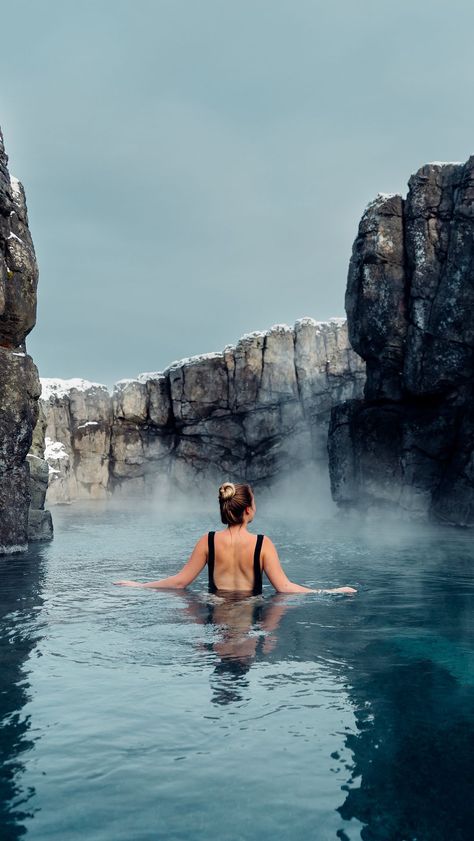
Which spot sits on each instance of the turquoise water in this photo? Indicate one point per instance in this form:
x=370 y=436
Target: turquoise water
x=134 y=715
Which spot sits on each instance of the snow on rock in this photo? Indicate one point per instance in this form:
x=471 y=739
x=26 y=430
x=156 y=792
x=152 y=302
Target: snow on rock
x=15 y=185
x=55 y=387
x=62 y=485
x=54 y=449
x=194 y=360
x=379 y=200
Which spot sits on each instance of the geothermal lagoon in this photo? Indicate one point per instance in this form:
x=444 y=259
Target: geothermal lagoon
x=136 y=714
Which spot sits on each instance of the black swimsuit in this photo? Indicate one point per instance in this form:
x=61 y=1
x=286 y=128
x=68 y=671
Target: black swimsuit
x=257 y=572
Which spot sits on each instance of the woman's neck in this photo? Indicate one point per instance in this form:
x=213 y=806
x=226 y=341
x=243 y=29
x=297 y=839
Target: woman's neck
x=237 y=528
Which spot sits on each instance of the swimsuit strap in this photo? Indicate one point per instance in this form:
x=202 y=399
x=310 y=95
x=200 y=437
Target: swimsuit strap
x=257 y=572
x=210 y=561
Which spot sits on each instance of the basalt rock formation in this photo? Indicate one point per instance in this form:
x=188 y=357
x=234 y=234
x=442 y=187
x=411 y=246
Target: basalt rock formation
x=20 y=388
x=255 y=412
x=409 y=443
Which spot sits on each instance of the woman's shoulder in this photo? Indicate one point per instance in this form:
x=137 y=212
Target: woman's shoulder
x=204 y=539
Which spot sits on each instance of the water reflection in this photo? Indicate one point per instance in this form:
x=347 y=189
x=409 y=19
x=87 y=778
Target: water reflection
x=20 y=600
x=413 y=752
x=413 y=693
x=245 y=630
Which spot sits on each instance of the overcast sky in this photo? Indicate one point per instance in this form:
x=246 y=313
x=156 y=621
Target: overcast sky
x=196 y=169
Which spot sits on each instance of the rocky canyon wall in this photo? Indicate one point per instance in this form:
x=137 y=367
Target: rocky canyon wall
x=408 y=444
x=255 y=412
x=21 y=480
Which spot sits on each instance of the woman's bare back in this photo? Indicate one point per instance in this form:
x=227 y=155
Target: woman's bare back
x=234 y=560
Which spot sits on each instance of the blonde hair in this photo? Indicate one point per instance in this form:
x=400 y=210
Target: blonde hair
x=233 y=500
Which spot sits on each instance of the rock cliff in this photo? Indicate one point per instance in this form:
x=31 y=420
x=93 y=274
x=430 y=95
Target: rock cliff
x=255 y=412
x=20 y=481
x=409 y=444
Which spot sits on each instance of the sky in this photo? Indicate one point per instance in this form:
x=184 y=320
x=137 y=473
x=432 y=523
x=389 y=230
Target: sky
x=196 y=169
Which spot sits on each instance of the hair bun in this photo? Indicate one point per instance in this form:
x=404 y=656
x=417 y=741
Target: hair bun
x=227 y=490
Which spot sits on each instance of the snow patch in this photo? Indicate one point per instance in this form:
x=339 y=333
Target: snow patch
x=255 y=334
x=15 y=185
x=150 y=375
x=335 y=321
x=54 y=450
x=379 y=199
x=56 y=387
x=195 y=360
x=444 y=163
x=124 y=382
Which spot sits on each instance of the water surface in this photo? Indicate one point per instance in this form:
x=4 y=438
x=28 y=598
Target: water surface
x=129 y=715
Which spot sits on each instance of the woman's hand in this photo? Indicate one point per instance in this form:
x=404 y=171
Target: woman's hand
x=348 y=591
x=128 y=584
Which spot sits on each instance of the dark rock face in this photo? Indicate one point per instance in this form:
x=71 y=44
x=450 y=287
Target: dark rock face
x=19 y=382
x=410 y=305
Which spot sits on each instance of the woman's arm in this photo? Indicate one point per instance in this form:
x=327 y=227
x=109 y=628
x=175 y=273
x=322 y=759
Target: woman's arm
x=276 y=575
x=185 y=576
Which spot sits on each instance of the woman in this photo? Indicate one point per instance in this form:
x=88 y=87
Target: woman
x=235 y=557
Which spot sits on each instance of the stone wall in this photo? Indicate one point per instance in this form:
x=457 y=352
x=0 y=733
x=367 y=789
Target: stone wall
x=409 y=444
x=19 y=382
x=255 y=412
